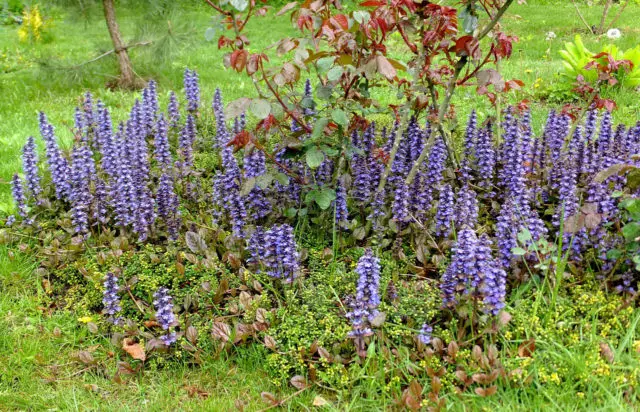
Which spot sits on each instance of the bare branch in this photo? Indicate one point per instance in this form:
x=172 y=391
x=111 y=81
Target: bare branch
x=615 y=19
x=283 y=104
x=128 y=46
x=494 y=20
x=582 y=17
x=217 y=8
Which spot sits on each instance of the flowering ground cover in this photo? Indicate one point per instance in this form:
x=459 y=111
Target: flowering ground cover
x=155 y=251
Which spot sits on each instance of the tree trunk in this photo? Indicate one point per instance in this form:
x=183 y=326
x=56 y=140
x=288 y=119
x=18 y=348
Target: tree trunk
x=127 y=77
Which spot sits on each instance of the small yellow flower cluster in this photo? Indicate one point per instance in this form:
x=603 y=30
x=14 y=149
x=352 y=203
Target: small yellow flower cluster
x=32 y=24
x=394 y=381
x=546 y=377
x=603 y=369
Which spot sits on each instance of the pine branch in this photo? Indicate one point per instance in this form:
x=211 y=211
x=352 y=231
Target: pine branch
x=128 y=46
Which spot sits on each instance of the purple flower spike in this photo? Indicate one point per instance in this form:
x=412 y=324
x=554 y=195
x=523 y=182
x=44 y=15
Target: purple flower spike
x=30 y=168
x=341 y=214
x=466 y=208
x=192 y=90
x=364 y=306
x=278 y=255
x=568 y=200
x=486 y=157
x=400 y=207
x=222 y=133
x=58 y=164
x=492 y=284
x=105 y=139
x=168 y=204
x=18 y=196
x=162 y=151
x=256 y=246
x=150 y=106
x=425 y=334
x=470 y=149
x=473 y=273
x=173 y=110
x=507 y=227
x=110 y=298
x=605 y=141
x=435 y=167
x=185 y=144
x=258 y=203
x=377 y=210
x=308 y=96
x=254 y=163
x=82 y=170
x=163 y=302
x=101 y=201
x=445 y=212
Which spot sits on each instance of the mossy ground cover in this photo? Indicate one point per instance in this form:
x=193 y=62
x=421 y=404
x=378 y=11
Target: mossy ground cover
x=581 y=352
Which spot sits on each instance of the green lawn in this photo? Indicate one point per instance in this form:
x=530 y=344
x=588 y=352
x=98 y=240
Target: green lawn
x=38 y=345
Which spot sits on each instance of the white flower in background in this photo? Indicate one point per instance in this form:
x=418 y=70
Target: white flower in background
x=614 y=34
x=550 y=36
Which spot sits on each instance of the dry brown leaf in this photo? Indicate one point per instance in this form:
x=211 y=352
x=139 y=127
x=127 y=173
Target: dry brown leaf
x=134 y=349
x=484 y=392
x=150 y=323
x=324 y=353
x=192 y=334
x=261 y=315
x=320 y=401
x=269 y=342
x=476 y=353
x=504 y=317
x=299 y=382
x=221 y=331
x=85 y=357
x=269 y=398
x=245 y=299
x=606 y=352
x=193 y=392
x=526 y=348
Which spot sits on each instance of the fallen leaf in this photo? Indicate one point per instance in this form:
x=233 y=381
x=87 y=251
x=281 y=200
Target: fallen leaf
x=484 y=392
x=261 y=315
x=193 y=392
x=299 y=382
x=504 y=317
x=526 y=348
x=378 y=320
x=93 y=328
x=85 y=357
x=192 y=334
x=320 y=401
x=606 y=352
x=134 y=349
x=269 y=342
x=324 y=353
x=269 y=398
x=221 y=331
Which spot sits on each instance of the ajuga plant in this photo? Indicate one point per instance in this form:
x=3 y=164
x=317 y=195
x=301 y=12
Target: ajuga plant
x=242 y=225
x=135 y=179
x=163 y=302
x=364 y=305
